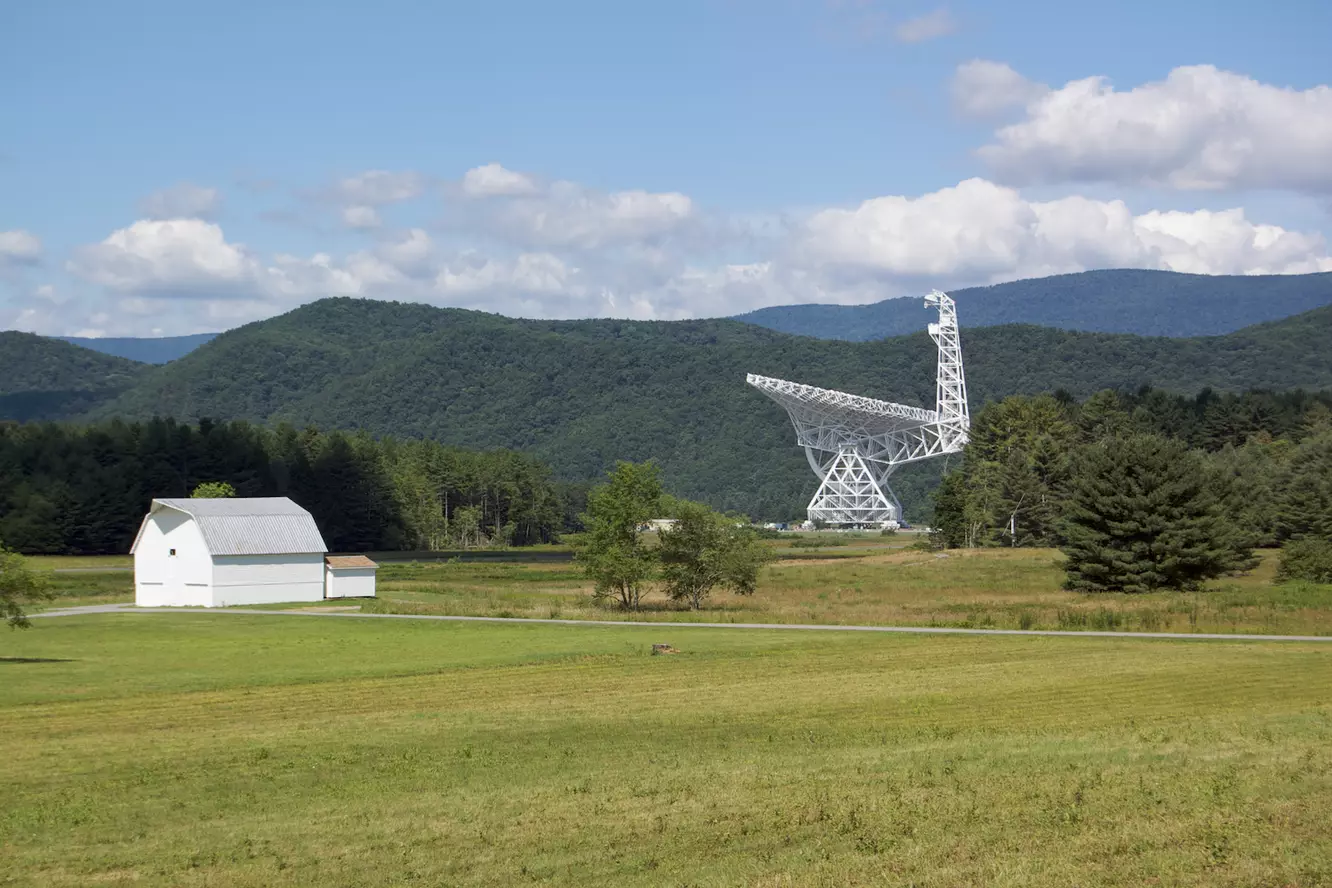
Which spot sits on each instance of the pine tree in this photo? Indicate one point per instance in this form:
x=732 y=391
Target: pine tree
x=1142 y=516
x=1305 y=510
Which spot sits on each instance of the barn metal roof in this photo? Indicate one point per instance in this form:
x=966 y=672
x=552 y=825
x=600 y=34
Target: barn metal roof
x=272 y=525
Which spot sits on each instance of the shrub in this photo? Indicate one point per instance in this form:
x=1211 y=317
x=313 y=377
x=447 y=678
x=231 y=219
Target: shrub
x=1308 y=559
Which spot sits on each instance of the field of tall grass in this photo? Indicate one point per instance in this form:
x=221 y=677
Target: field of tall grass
x=981 y=588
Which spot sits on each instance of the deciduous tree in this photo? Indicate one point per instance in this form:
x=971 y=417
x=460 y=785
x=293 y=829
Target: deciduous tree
x=704 y=550
x=612 y=551
x=19 y=586
x=213 y=490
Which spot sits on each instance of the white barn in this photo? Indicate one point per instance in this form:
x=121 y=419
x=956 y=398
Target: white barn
x=220 y=552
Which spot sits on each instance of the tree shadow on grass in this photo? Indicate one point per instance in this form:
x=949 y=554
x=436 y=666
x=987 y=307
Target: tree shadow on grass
x=4 y=661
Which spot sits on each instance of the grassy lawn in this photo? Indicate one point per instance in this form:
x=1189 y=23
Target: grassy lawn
x=183 y=749
x=986 y=588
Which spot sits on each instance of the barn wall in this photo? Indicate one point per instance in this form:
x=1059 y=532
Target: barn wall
x=351 y=582
x=165 y=580
x=267 y=579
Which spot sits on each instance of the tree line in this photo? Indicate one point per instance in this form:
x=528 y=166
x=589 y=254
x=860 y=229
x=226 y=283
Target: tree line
x=83 y=489
x=1146 y=490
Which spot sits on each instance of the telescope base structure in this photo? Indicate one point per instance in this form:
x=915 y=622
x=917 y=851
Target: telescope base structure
x=851 y=495
x=854 y=443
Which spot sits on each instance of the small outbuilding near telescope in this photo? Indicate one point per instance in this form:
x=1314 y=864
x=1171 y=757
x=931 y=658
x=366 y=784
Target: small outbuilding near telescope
x=220 y=552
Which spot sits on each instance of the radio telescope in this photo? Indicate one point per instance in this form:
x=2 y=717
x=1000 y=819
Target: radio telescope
x=854 y=444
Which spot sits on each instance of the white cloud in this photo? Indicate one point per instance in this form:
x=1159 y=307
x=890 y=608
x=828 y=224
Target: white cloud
x=179 y=256
x=931 y=26
x=569 y=251
x=182 y=201
x=493 y=180
x=982 y=88
x=376 y=187
x=413 y=252
x=980 y=232
x=568 y=215
x=528 y=273
x=1200 y=128
x=19 y=247
x=361 y=217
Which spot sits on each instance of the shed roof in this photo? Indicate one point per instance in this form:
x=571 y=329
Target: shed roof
x=348 y=561
x=272 y=525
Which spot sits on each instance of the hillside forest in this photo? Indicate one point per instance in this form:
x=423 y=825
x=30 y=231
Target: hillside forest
x=83 y=489
x=581 y=395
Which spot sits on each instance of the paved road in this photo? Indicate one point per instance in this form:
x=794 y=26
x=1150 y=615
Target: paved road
x=672 y=626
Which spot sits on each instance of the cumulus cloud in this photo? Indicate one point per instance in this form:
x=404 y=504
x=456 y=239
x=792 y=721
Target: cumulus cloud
x=525 y=213
x=931 y=26
x=571 y=216
x=182 y=201
x=178 y=256
x=19 y=247
x=493 y=180
x=980 y=232
x=1200 y=128
x=568 y=251
x=982 y=88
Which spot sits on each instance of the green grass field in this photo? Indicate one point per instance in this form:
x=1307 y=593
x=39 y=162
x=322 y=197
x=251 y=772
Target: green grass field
x=985 y=588
x=868 y=582
x=224 y=749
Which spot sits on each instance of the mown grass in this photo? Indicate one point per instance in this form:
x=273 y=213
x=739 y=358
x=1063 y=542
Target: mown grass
x=223 y=749
x=988 y=588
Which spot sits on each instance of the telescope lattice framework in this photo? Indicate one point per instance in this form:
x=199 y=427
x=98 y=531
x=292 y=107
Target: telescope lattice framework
x=854 y=443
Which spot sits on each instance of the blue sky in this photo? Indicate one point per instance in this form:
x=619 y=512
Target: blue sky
x=169 y=168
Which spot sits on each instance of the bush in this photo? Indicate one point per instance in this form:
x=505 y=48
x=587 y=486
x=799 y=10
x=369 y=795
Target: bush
x=1309 y=559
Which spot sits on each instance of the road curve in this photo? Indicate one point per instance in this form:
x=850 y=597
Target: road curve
x=672 y=626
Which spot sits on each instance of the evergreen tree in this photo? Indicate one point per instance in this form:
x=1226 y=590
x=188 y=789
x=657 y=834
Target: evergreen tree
x=1306 y=507
x=1142 y=516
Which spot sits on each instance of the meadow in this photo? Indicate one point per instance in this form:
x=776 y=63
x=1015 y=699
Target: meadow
x=226 y=749
x=824 y=579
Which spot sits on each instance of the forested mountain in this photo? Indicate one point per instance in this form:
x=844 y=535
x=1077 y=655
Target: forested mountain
x=50 y=379
x=582 y=394
x=149 y=350
x=1149 y=303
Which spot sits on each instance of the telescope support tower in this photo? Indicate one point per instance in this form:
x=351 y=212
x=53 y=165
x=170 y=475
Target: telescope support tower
x=855 y=443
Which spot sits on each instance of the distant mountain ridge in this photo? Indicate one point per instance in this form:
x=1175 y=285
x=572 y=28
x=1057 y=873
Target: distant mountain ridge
x=1143 y=302
x=147 y=350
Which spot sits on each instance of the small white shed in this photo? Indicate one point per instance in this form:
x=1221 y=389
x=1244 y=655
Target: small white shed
x=220 y=552
x=349 y=576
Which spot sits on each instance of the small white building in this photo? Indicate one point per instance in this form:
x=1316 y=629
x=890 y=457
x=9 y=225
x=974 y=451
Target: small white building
x=349 y=576
x=220 y=552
